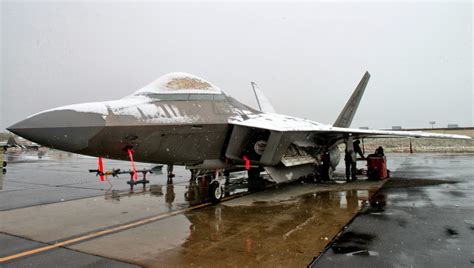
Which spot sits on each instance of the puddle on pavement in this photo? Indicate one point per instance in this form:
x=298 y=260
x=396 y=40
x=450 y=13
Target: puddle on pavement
x=350 y=242
x=286 y=231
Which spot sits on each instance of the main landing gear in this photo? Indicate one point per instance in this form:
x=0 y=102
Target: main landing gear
x=326 y=172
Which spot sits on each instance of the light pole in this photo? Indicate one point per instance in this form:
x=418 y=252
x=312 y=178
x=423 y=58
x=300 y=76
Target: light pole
x=432 y=123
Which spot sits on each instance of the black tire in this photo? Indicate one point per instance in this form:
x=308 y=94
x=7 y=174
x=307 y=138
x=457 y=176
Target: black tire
x=330 y=174
x=327 y=173
x=215 y=192
x=4 y=164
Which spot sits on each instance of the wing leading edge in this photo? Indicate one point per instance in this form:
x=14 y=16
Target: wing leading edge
x=284 y=123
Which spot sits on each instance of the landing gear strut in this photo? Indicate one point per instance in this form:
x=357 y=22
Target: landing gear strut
x=169 y=171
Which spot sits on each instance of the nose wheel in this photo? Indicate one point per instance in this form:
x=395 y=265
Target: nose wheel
x=216 y=188
x=212 y=185
x=216 y=192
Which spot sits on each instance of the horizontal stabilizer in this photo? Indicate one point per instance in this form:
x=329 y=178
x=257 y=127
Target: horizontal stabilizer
x=347 y=114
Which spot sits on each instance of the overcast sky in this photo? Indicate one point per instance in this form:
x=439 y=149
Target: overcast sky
x=307 y=57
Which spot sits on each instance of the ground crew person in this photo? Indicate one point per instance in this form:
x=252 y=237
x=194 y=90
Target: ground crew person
x=352 y=149
x=4 y=170
x=2 y=162
x=379 y=152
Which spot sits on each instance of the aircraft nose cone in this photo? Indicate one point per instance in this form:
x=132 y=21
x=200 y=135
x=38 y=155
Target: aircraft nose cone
x=66 y=130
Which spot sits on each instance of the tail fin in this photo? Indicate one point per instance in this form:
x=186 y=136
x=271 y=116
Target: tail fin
x=347 y=114
x=11 y=141
x=262 y=100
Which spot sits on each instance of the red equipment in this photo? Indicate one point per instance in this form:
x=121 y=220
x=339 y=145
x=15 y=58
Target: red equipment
x=377 y=167
x=101 y=169
x=135 y=176
x=247 y=162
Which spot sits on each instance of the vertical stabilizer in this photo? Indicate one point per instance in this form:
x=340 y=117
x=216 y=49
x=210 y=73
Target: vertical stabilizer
x=11 y=141
x=347 y=114
x=264 y=104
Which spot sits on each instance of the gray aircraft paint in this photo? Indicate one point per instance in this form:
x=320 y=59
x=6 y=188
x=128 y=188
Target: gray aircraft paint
x=181 y=119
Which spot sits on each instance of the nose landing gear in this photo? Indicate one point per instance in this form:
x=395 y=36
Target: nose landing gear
x=210 y=185
x=216 y=191
x=216 y=188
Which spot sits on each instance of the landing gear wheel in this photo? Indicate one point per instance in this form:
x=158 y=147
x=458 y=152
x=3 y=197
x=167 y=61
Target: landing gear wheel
x=215 y=192
x=327 y=174
x=330 y=174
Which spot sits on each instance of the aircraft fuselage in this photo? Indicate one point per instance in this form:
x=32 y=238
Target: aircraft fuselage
x=188 y=130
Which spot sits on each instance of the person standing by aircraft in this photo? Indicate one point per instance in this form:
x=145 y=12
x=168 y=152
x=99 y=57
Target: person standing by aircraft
x=4 y=169
x=352 y=149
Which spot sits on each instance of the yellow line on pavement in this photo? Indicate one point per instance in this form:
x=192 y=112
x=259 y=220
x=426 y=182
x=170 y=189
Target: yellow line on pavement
x=107 y=231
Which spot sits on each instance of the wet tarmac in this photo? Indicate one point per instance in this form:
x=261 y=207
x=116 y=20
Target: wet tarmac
x=423 y=222
x=52 y=211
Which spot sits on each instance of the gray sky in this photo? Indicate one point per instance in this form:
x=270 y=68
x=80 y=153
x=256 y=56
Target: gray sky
x=307 y=57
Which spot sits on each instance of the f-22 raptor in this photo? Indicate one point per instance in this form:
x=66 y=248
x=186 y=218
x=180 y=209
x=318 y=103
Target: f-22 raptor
x=181 y=119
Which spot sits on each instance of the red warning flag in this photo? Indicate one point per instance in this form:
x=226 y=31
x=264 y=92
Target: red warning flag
x=101 y=169
x=135 y=176
x=247 y=163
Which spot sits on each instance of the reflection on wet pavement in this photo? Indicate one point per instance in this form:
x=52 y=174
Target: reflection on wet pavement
x=286 y=225
x=287 y=231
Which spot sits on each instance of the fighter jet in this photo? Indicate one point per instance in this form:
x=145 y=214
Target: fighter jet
x=181 y=119
x=12 y=143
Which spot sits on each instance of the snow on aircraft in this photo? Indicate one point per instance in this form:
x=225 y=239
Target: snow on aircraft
x=181 y=119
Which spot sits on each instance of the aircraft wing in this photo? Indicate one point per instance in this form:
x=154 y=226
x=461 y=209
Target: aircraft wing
x=394 y=134
x=280 y=131
x=283 y=123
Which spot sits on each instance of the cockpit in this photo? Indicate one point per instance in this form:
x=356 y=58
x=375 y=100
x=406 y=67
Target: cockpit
x=181 y=87
x=184 y=97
